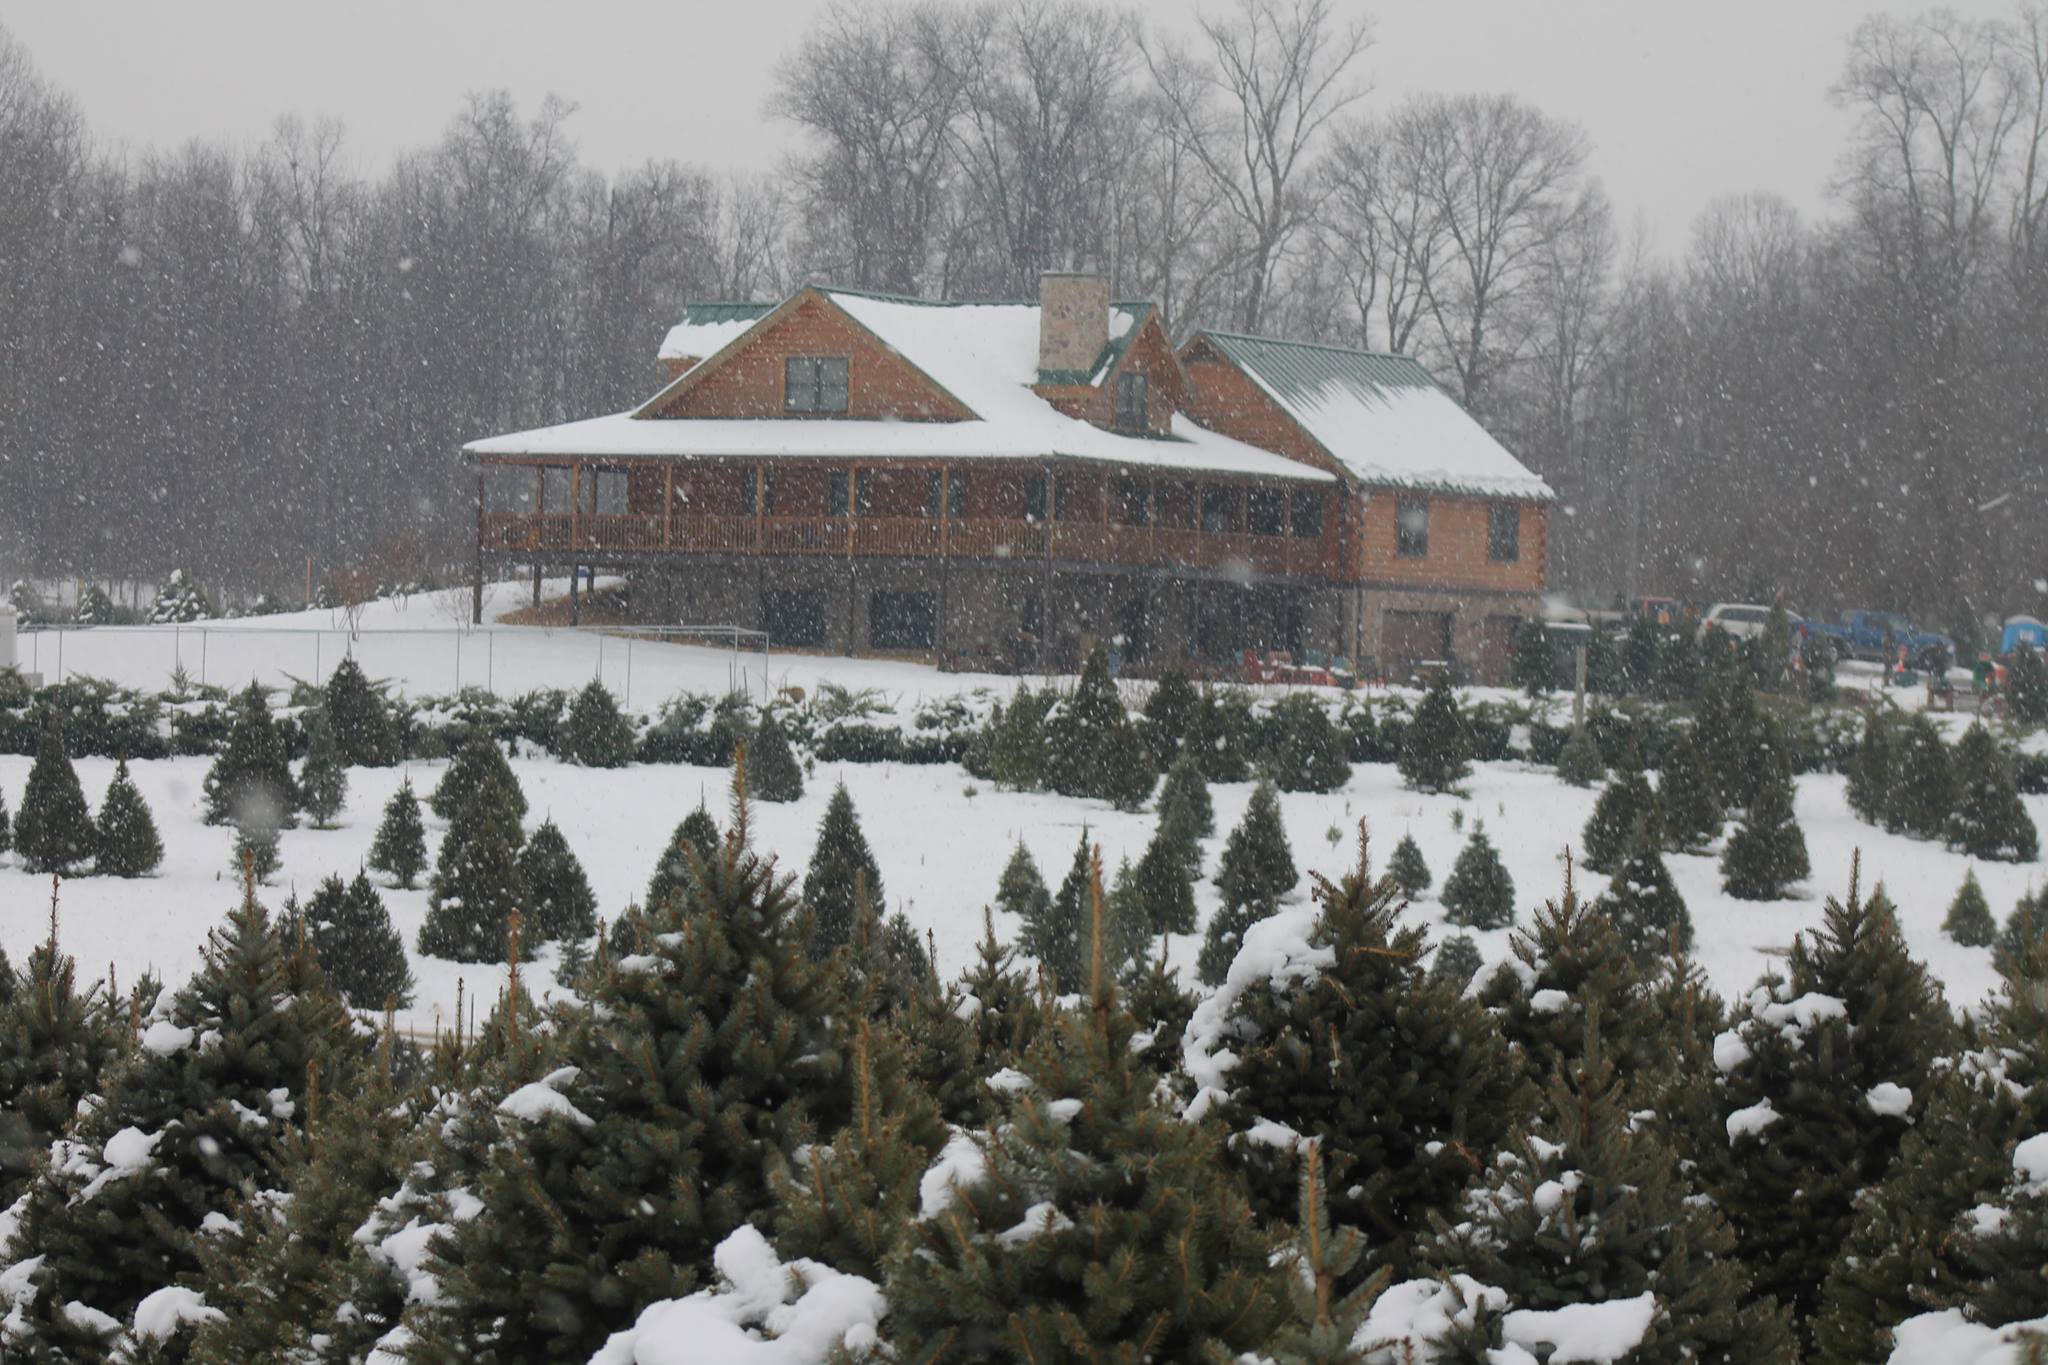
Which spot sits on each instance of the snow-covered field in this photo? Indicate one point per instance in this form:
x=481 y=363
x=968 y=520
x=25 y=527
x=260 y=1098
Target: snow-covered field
x=940 y=836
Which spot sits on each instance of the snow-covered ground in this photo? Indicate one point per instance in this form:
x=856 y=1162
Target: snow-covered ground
x=940 y=837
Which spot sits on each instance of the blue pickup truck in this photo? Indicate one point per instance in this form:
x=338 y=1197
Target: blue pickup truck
x=1880 y=635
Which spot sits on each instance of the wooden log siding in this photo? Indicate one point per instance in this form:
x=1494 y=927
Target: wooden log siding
x=695 y=509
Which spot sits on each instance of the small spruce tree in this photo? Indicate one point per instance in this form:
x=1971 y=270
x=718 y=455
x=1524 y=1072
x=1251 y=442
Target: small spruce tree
x=1056 y=933
x=1924 y=792
x=54 y=832
x=1988 y=819
x=1479 y=893
x=1306 y=751
x=400 y=848
x=1016 y=747
x=1456 y=961
x=1534 y=667
x=2027 y=687
x=772 y=770
x=1623 y=801
x=1407 y=868
x=1163 y=881
x=255 y=850
x=696 y=836
x=1093 y=749
x=323 y=781
x=252 y=776
x=1257 y=865
x=1169 y=714
x=478 y=766
x=594 y=733
x=128 y=845
x=1022 y=891
x=1578 y=762
x=1767 y=852
x=1969 y=920
x=842 y=871
x=363 y=728
x=475 y=888
x=362 y=956
x=1436 y=752
x=1688 y=799
x=560 y=906
x=1874 y=770
x=1642 y=902
x=1184 y=782
x=6 y=828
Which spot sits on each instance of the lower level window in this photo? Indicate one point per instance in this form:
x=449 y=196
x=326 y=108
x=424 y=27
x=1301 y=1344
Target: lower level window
x=902 y=620
x=793 y=618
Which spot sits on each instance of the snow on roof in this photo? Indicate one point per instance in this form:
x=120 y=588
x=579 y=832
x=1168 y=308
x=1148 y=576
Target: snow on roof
x=707 y=327
x=1383 y=417
x=983 y=354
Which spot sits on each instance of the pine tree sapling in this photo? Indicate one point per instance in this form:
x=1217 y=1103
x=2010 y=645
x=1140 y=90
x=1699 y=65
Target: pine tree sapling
x=1022 y=891
x=1057 y=934
x=1578 y=762
x=1988 y=819
x=54 y=832
x=1306 y=752
x=842 y=874
x=364 y=731
x=1479 y=893
x=1436 y=752
x=1924 y=793
x=1093 y=749
x=1407 y=868
x=363 y=957
x=6 y=828
x=1456 y=961
x=1625 y=799
x=1874 y=771
x=1767 y=852
x=1257 y=866
x=695 y=837
x=2027 y=686
x=255 y=849
x=1164 y=880
x=1688 y=798
x=251 y=778
x=1533 y=669
x=323 y=781
x=594 y=733
x=1642 y=902
x=128 y=841
x=772 y=770
x=400 y=848
x=1969 y=921
x=475 y=888
x=478 y=774
x=560 y=906
x=1185 y=783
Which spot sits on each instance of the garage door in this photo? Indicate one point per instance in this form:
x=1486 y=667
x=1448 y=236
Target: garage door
x=1408 y=638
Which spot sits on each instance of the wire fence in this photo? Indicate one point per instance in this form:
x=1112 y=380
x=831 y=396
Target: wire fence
x=430 y=660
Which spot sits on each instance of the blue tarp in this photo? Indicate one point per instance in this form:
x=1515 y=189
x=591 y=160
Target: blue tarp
x=2023 y=630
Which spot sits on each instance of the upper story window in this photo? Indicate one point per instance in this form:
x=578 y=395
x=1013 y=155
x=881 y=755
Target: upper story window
x=1130 y=402
x=1034 y=496
x=842 y=495
x=1503 y=533
x=1266 y=512
x=1308 y=515
x=1411 y=528
x=956 y=494
x=1219 y=510
x=814 y=383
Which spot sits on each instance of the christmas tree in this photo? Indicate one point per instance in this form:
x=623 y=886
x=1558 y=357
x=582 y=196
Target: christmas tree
x=1184 y=783
x=1756 y=745
x=692 y=1081
x=184 y=1131
x=1257 y=866
x=95 y=608
x=1180 y=827
x=1216 y=736
x=1767 y=851
x=1001 y=1005
x=1092 y=1223
x=1688 y=798
x=594 y=734
x=1436 y=752
x=128 y=845
x=476 y=886
x=400 y=848
x=1817 y=658
x=2025 y=927
x=1163 y=880
x=1642 y=902
x=363 y=957
x=252 y=777
x=1622 y=802
x=1092 y=747
x=1969 y=920
x=1342 y=1038
x=1305 y=752
x=178 y=601
x=1225 y=935
x=54 y=832
x=1479 y=894
x=363 y=729
x=57 y=1044
x=772 y=771
x=6 y=828
x=1578 y=762
x=1874 y=770
x=1590 y=1208
x=1022 y=891
x=560 y=906
x=1056 y=934
x=1533 y=669
x=255 y=847
x=1988 y=819
x=695 y=838
x=1407 y=868
x=842 y=870
x=479 y=766
x=1924 y=793
x=1017 y=755
x=1679 y=669
x=323 y=782
x=1772 y=649
x=2027 y=687
x=1170 y=714
x=1821 y=1077
x=1456 y=961
x=1127 y=932
x=1642 y=656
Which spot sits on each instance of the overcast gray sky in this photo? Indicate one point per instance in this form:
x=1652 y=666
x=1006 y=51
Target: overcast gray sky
x=1684 y=99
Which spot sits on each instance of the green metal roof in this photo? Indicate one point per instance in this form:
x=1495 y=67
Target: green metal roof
x=732 y=310
x=1299 y=371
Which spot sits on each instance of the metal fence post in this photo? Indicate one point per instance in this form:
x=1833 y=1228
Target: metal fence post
x=629 y=672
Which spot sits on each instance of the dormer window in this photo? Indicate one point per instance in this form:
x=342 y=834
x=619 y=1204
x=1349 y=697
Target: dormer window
x=1130 y=402
x=814 y=383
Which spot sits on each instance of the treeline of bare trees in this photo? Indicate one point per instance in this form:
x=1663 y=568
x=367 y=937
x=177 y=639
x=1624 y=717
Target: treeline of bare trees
x=233 y=361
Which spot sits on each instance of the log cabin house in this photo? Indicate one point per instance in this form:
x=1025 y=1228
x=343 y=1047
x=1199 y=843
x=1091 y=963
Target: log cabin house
x=997 y=484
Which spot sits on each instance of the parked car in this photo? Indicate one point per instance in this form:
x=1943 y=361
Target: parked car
x=1880 y=635
x=1742 y=621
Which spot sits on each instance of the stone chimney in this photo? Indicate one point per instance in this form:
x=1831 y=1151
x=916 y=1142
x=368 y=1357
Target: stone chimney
x=1073 y=320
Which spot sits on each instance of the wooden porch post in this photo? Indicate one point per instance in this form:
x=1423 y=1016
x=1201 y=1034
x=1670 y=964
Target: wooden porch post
x=476 y=601
x=760 y=474
x=668 y=506
x=535 y=536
